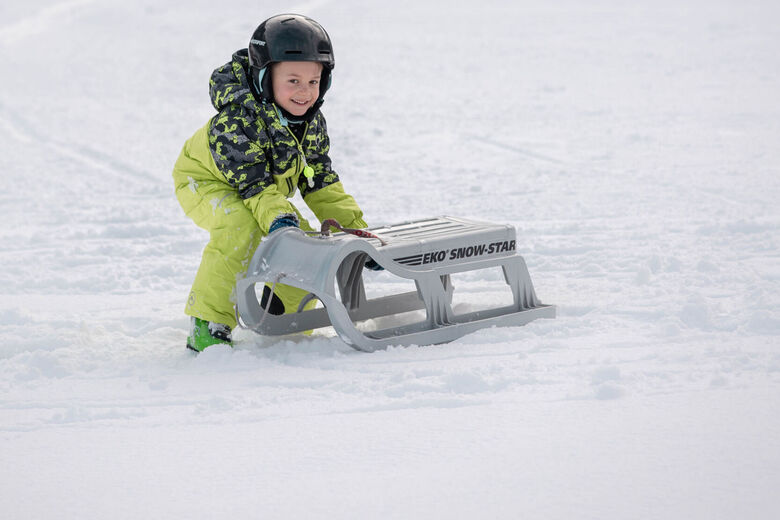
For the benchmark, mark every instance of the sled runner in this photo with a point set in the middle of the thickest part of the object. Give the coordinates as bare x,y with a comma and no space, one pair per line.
425,251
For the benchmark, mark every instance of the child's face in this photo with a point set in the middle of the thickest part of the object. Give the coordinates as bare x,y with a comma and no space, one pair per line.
296,85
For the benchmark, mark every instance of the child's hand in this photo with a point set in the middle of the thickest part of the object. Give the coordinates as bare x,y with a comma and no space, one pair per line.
283,220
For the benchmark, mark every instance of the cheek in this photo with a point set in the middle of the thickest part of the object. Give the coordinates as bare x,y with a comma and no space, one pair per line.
280,88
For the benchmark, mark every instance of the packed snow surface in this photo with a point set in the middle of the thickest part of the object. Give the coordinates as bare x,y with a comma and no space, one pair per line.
634,146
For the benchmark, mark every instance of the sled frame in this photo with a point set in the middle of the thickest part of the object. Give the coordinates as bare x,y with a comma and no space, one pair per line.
426,251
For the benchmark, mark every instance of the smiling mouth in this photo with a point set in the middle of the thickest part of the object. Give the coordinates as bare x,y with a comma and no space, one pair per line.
301,103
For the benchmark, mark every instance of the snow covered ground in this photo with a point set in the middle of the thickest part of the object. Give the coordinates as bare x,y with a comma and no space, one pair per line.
634,145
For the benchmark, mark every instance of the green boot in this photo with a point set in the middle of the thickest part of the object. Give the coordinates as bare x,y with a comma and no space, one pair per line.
204,334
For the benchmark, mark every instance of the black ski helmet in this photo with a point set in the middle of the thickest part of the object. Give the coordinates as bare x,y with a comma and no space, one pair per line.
288,37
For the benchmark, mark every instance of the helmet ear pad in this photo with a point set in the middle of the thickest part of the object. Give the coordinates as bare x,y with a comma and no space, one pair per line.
266,83
325,80
261,81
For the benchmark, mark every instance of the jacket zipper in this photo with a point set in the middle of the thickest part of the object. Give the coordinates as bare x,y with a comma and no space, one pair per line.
307,170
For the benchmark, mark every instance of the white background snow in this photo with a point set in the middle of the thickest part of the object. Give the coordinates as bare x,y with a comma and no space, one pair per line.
635,147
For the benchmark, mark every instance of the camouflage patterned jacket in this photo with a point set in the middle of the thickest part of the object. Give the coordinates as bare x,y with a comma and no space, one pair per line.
251,147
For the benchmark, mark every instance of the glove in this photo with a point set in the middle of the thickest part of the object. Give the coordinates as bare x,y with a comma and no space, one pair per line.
373,266
283,220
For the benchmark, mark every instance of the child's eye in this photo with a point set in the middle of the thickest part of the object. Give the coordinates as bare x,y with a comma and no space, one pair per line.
294,81
314,82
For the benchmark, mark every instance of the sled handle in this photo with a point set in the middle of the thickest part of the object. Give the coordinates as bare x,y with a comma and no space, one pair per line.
362,233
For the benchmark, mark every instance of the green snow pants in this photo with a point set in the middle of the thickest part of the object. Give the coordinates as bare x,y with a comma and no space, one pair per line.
234,235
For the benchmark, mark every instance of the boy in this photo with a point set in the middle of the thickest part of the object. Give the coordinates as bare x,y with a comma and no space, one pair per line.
235,175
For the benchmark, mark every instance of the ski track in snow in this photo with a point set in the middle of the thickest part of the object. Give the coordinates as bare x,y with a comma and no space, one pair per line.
633,147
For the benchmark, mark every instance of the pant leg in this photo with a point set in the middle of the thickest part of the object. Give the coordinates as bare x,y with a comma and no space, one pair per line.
291,298
216,207
233,238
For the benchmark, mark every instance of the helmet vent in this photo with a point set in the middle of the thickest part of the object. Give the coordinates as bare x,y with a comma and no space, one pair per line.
289,37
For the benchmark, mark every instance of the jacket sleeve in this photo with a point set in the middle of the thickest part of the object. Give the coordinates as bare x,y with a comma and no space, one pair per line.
333,202
267,205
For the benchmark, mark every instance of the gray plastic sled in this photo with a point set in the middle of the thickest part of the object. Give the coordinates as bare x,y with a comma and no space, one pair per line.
425,251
